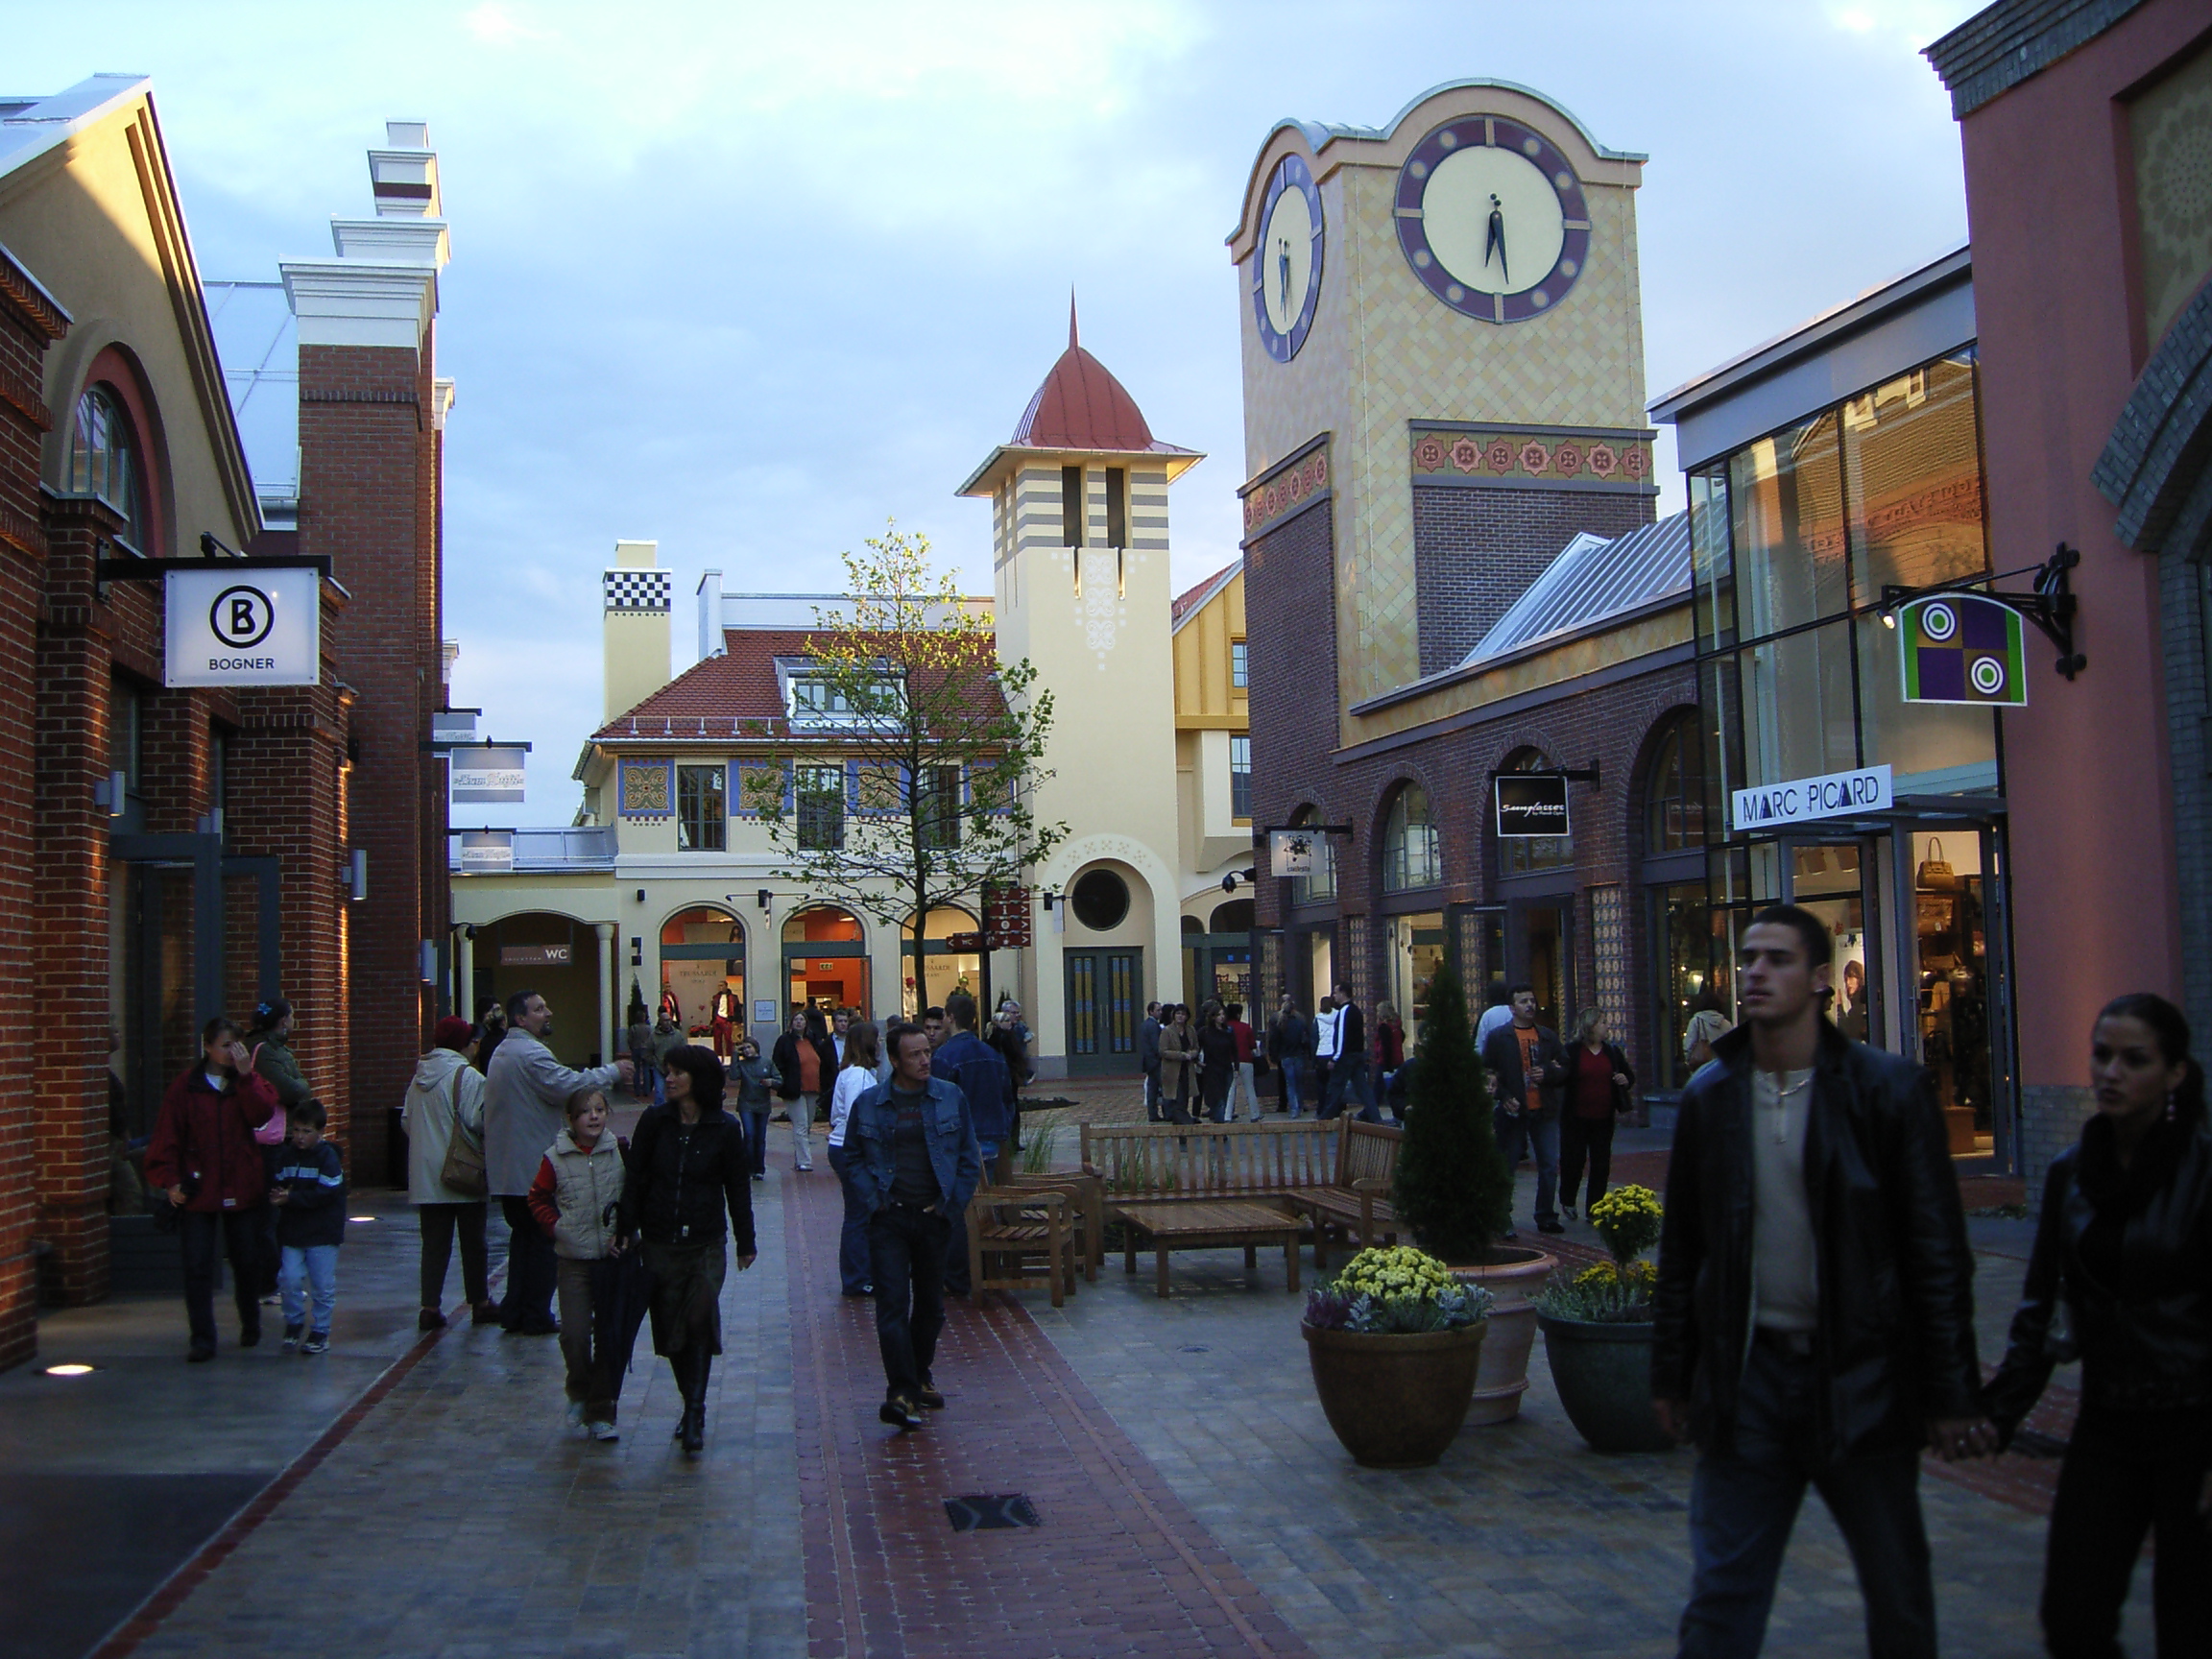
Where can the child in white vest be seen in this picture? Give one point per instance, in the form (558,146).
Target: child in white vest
(573,1199)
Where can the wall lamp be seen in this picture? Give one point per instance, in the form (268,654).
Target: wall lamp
(1230,880)
(353,875)
(113,793)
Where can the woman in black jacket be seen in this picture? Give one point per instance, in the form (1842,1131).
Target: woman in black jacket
(688,1163)
(1217,1061)
(806,1062)
(2122,1278)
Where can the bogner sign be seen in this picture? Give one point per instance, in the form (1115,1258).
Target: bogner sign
(1807,799)
(241,622)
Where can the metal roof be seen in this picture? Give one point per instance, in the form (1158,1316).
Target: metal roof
(1594,580)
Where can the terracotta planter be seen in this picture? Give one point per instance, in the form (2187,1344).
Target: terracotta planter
(1504,1377)
(1395,1402)
(1603,1375)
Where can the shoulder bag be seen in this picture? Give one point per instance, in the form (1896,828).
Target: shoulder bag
(464,1168)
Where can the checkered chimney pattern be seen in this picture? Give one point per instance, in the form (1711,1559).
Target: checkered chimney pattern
(639,589)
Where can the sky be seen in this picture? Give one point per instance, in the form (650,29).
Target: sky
(751,281)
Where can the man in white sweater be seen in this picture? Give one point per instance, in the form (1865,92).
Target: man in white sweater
(526,1094)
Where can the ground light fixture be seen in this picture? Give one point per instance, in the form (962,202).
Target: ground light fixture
(73,1368)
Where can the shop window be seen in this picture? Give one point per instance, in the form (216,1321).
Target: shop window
(1912,477)
(1072,506)
(702,810)
(1320,887)
(1675,788)
(1100,899)
(1412,856)
(702,973)
(126,738)
(1239,667)
(1799,717)
(1785,501)
(1711,564)
(105,461)
(1530,855)
(938,807)
(819,795)
(1240,777)
(1683,979)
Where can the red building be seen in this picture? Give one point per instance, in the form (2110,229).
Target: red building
(168,852)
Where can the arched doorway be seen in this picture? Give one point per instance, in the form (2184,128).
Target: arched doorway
(557,957)
(1217,955)
(703,974)
(944,969)
(824,961)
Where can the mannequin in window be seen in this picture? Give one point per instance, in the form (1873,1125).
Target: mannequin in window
(723,1023)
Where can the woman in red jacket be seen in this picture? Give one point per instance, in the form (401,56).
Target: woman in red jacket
(204,1156)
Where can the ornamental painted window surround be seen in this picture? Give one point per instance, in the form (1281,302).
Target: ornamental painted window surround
(104,460)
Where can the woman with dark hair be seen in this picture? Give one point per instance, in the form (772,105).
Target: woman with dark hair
(688,1165)
(806,1062)
(755,1081)
(2121,1278)
(1178,1055)
(1217,1061)
(204,1156)
(270,1042)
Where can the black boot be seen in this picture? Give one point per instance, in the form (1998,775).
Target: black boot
(695,1411)
(681,1365)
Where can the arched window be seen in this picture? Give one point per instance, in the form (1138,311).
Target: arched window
(1526,855)
(1320,887)
(1411,854)
(1674,789)
(104,460)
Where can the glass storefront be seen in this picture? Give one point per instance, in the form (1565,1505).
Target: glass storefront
(1416,946)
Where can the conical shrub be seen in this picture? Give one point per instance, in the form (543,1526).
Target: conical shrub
(1453,1188)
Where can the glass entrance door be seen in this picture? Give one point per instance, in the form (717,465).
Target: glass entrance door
(1539,947)
(1105,1004)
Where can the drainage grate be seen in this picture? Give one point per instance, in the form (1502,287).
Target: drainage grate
(981,1511)
(1193,1347)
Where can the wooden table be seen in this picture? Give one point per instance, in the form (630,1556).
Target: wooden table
(1208,1225)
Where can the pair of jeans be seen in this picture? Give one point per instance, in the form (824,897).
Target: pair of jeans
(1348,1080)
(528,1305)
(756,1137)
(1290,1070)
(1242,1081)
(1538,1133)
(907,1255)
(440,1223)
(801,1111)
(1744,1504)
(959,1278)
(852,1233)
(309,1270)
(1154,1111)
(1579,1139)
(2126,1474)
(594,1381)
(239,1231)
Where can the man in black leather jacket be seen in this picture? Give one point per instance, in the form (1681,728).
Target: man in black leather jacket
(1815,1303)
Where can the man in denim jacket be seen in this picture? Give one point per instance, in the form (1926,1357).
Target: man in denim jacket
(917,1165)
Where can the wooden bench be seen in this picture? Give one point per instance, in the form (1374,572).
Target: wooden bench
(1207,1224)
(1139,1164)
(1357,1202)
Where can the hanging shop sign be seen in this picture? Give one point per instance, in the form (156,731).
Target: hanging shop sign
(1006,920)
(1292,853)
(489,773)
(486,851)
(1808,800)
(1531,804)
(241,622)
(536,956)
(1962,648)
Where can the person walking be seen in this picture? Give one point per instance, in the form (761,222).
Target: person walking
(1178,1062)
(863,1050)
(919,1165)
(268,1038)
(444,1099)
(755,1082)
(525,1103)
(979,1073)
(1499,1013)
(1217,1063)
(1598,1079)
(576,1199)
(1386,1053)
(1814,1317)
(203,1154)
(492,1021)
(1326,1033)
(687,1166)
(807,1066)
(2120,1277)
(1245,1082)
(308,1194)
(1148,1062)
(1707,1025)
(1348,1076)
(1289,1046)
(1528,1069)
(1010,1035)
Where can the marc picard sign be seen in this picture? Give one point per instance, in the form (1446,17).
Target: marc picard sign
(1808,799)
(243,624)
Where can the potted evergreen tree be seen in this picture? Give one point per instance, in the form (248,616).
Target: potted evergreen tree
(1455,1194)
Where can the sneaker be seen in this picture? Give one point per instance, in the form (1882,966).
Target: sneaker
(575,1414)
(1567,1211)
(603,1431)
(318,1342)
(900,1413)
(928,1396)
(272,1300)
(292,1333)
(1550,1227)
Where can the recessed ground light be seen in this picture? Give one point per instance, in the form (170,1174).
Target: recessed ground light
(71,1370)
(360,1217)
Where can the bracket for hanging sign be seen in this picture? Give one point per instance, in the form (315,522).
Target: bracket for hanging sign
(2052,606)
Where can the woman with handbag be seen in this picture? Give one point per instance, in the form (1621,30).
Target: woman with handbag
(444,1114)
(1598,1079)
(2120,1278)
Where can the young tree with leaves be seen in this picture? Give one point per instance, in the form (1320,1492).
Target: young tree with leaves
(1452,1186)
(915,752)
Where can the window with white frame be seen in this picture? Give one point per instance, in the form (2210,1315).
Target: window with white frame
(702,808)
(1240,777)
(819,799)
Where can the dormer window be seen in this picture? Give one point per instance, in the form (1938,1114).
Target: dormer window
(835,702)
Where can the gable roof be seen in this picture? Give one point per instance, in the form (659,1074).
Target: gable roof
(1191,600)
(1594,580)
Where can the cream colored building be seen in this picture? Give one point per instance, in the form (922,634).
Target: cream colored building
(667,885)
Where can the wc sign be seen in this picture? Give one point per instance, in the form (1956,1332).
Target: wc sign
(238,622)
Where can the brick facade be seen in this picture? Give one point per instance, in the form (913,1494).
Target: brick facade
(1476,551)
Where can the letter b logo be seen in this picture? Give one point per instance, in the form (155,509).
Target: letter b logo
(242,616)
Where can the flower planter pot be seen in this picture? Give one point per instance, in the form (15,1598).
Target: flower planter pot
(1603,1375)
(1395,1402)
(1519,1274)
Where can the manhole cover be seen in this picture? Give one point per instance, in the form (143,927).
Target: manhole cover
(980,1512)
(1193,1347)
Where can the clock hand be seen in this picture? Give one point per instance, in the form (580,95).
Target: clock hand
(1283,265)
(1496,240)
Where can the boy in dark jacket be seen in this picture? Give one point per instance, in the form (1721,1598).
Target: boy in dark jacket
(309,1197)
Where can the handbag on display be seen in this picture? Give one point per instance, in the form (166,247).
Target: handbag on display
(1935,873)
(464,1168)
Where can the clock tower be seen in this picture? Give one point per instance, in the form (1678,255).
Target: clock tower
(1443,362)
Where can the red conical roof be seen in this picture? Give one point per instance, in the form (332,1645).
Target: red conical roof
(1081,406)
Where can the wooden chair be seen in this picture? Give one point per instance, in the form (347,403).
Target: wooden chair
(1086,1196)
(1020,1238)
(1356,1203)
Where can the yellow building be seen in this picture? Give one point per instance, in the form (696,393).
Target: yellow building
(667,885)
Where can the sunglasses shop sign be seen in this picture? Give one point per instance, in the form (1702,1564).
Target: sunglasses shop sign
(1807,799)
(241,622)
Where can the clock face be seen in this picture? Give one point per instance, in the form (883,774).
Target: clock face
(1492,219)
(1287,260)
